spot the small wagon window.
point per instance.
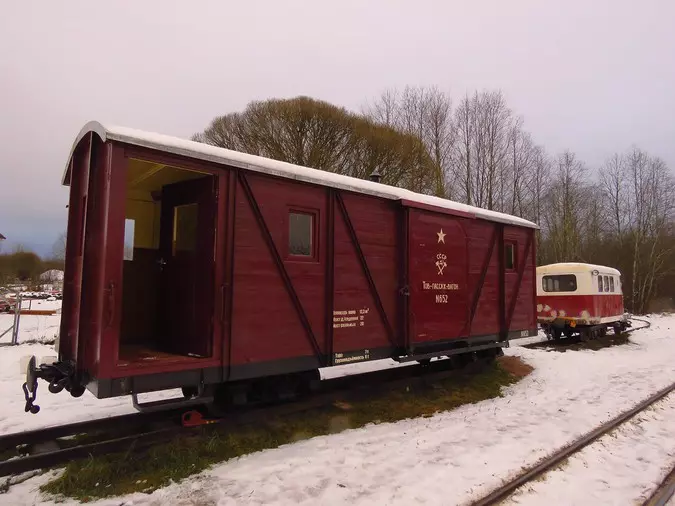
(611, 284)
(606, 279)
(600, 284)
(129, 229)
(510, 253)
(560, 283)
(300, 234)
(185, 228)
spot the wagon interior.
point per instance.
(168, 250)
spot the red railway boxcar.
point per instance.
(196, 267)
(578, 298)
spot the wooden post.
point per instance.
(17, 317)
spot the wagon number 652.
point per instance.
(441, 299)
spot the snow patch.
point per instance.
(450, 458)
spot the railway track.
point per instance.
(55, 446)
(664, 492)
(534, 472)
(645, 324)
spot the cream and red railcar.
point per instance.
(579, 299)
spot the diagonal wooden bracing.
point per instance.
(288, 283)
(366, 270)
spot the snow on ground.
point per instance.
(449, 458)
(55, 409)
(33, 327)
(628, 463)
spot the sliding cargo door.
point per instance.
(437, 277)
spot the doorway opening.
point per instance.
(167, 298)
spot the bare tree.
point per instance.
(612, 177)
(59, 248)
(426, 114)
(482, 130)
(651, 197)
(465, 124)
(564, 206)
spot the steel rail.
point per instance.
(548, 463)
(335, 389)
(646, 325)
(37, 436)
(663, 492)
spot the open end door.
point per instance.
(186, 258)
(437, 274)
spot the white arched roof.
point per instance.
(201, 151)
(575, 268)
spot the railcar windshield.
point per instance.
(560, 283)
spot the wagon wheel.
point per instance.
(490, 355)
(217, 410)
(557, 333)
(424, 362)
(569, 332)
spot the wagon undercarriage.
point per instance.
(556, 330)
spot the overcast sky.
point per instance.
(591, 76)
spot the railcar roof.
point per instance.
(573, 267)
(201, 151)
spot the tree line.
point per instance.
(478, 152)
(25, 267)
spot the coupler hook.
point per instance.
(30, 398)
(30, 387)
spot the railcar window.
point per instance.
(606, 279)
(185, 228)
(129, 226)
(300, 234)
(600, 283)
(560, 283)
(510, 253)
(611, 284)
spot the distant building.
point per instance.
(52, 280)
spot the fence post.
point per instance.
(17, 317)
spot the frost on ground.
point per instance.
(449, 458)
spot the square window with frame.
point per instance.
(611, 284)
(559, 283)
(509, 256)
(600, 284)
(301, 235)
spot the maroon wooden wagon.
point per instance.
(196, 267)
